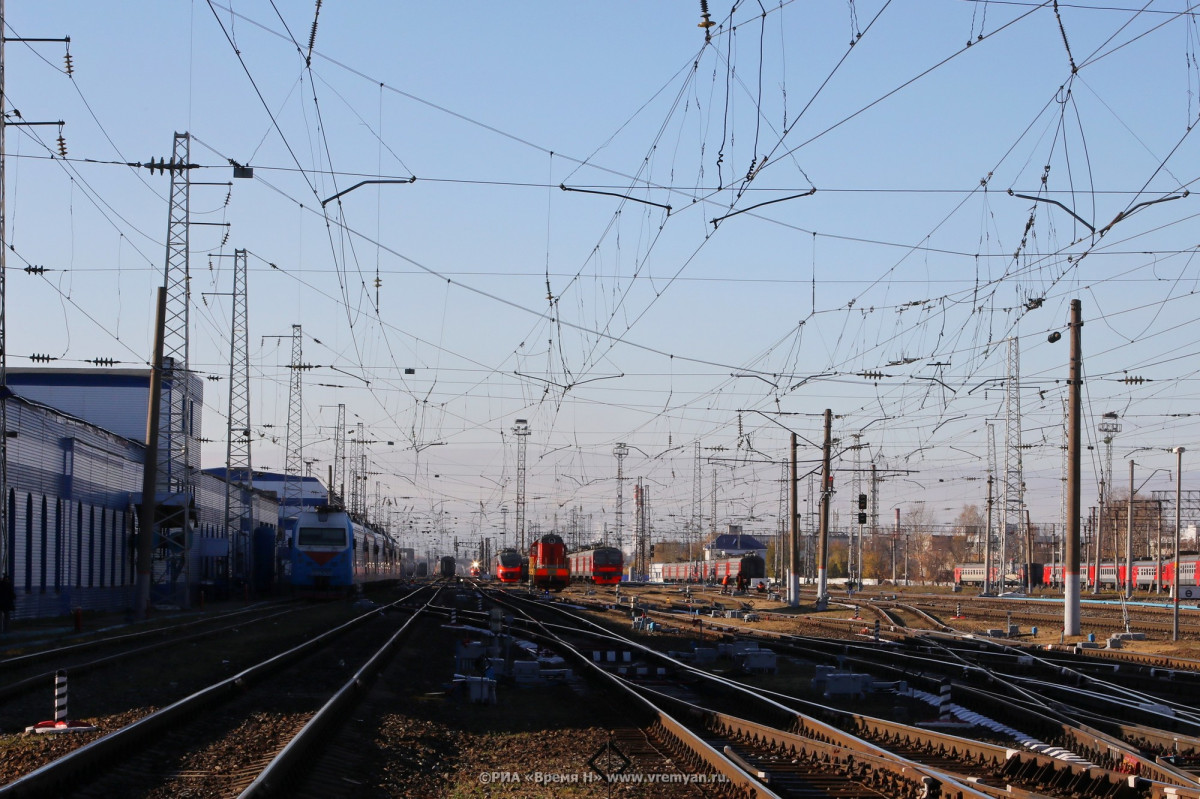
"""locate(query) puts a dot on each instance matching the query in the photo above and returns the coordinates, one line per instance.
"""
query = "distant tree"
(971, 526)
(916, 524)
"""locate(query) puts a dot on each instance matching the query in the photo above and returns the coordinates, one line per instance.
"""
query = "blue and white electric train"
(331, 553)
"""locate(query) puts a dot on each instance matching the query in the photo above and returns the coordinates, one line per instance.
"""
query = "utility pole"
(147, 521)
(823, 532)
(1074, 414)
(1178, 526)
(1129, 538)
(987, 543)
(697, 504)
(793, 585)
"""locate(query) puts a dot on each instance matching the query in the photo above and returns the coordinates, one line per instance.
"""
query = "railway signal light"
(862, 501)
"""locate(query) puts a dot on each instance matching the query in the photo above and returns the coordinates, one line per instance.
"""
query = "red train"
(510, 566)
(751, 569)
(1145, 573)
(548, 567)
(601, 565)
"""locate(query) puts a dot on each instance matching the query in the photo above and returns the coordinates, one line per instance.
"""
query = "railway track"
(238, 734)
(1044, 770)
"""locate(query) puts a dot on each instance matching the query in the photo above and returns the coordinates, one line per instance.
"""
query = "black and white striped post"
(61, 722)
(944, 701)
(453, 616)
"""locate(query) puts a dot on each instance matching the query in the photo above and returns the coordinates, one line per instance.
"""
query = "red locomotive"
(548, 567)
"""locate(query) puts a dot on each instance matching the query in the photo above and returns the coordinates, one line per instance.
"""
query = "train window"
(321, 537)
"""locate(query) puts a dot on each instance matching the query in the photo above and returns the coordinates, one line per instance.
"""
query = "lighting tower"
(620, 450)
(1109, 427)
(1014, 475)
(521, 431)
(293, 461)
(238, 517)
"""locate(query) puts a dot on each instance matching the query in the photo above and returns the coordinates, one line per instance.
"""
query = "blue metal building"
(75, 462)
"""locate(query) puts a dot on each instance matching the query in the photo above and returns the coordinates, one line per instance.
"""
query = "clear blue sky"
(600, 316)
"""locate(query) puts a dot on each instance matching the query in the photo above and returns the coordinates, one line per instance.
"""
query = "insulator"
(35, 270)
(62, 146)
(1133, 381)
(214, 378)
(69, 66)
(40, 358)
(103, 361)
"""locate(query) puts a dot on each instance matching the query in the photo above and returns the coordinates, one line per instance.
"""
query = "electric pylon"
(620, 450)
(239, 472)
(293, 468)
(1014, 475)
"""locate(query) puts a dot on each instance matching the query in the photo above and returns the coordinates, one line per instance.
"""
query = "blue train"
(331, 553)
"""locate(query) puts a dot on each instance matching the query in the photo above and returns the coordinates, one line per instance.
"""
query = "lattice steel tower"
(293, 462)
(620, 450)
(521, 431)
(177, 443)
(339, 455)
(358, 465)
(239, 472)
(1014, 475)
(1109, 427)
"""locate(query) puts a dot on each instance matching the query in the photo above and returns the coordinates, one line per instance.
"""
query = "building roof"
(736, 541)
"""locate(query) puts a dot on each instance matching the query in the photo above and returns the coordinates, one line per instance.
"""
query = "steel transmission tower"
(339, 455)
(521, 431)
(239, 472)
(177, 446)
(358, 466)
(620, 450)
(293, 462)
(1014, 477)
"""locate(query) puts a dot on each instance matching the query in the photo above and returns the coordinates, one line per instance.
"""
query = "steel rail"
(20, 686)
(50, 779)
(896, 764)
(738, 779)
(287, 764)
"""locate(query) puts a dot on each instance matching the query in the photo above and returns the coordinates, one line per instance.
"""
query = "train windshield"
(510, 559)
(607, 557)
(321, 537)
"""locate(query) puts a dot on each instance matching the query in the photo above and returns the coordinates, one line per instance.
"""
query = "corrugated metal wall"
(72, 518)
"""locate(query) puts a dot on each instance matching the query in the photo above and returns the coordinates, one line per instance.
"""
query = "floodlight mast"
(521, 431)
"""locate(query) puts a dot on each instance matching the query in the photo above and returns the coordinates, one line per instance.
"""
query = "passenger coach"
(601, 565)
